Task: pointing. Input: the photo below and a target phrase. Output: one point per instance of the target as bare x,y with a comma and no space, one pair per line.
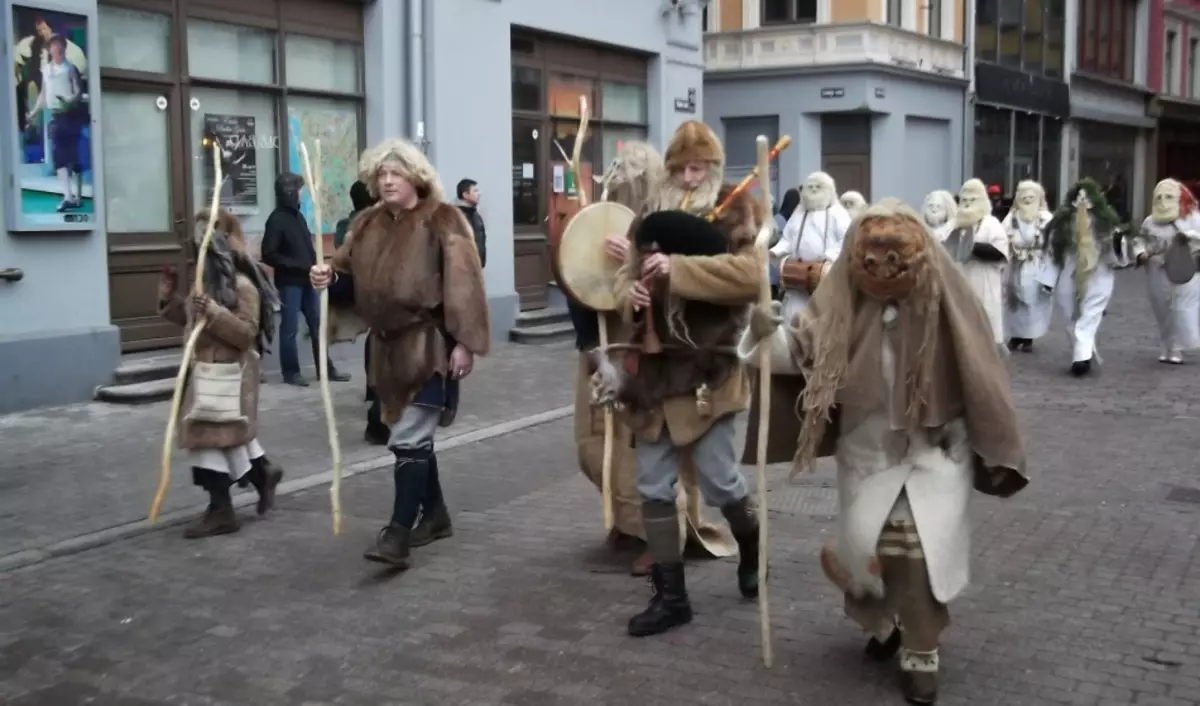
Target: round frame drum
585,271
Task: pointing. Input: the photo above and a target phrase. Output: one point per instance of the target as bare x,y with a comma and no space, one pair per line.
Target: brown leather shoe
219,518
391,547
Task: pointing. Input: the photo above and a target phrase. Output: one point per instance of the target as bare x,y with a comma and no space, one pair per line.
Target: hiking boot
391,547
219,518
431,527
668,608
264,476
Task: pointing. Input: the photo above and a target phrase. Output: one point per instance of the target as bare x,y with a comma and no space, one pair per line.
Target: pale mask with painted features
973,206
1028,202
935,212
817,194
1167,196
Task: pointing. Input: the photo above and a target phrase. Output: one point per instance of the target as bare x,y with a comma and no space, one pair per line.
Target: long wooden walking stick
762,244
606,464
335,447
189,348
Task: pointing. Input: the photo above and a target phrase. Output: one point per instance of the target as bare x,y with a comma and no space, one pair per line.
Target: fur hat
411,162
694,142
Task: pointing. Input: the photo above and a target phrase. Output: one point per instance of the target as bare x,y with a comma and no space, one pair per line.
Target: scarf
220,282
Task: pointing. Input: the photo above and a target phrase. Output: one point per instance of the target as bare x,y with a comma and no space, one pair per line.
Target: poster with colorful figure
52,164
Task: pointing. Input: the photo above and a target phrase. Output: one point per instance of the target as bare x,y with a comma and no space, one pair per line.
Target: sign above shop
686,105
838,92
1000,85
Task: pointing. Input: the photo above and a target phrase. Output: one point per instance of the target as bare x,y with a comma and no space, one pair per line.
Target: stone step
542,317
158,367
143,392
540,335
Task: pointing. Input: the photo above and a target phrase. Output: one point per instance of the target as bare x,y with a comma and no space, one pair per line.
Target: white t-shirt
56,83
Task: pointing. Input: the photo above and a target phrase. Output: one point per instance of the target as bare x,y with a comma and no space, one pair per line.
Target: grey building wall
465,104
916,123
56,339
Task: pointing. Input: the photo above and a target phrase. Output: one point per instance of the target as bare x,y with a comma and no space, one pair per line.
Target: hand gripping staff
606,464
189,348
335,448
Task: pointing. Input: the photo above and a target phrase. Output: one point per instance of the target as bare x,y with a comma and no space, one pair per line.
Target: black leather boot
219,518
743,523
264,476
668,608
390,547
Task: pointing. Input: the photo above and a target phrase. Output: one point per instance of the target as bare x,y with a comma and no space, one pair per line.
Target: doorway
531,252
846,151
145,212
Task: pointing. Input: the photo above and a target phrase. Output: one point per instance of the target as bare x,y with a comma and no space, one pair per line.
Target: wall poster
239,162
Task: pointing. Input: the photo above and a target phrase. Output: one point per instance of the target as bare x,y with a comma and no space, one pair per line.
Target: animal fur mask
973,203
1172,201
1030,201
939,208
854,203
818,193
889,251
632,173
407,159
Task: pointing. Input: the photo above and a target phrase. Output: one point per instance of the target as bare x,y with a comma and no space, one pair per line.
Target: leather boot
668,608
390,547
219,517
264,476
743,523
432,526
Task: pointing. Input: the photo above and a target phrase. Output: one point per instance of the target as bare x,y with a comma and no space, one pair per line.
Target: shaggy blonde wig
632,173
947,202
406,158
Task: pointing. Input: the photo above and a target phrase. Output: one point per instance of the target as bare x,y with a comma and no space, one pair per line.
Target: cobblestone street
1084,586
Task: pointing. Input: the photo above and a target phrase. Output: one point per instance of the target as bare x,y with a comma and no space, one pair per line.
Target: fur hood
413,165
694,142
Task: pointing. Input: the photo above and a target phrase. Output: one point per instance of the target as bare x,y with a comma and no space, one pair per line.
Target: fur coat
418,285
709,299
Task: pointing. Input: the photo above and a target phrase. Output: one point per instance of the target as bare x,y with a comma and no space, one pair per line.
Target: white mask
1167,197
935,211
818,193
973,203
1028,201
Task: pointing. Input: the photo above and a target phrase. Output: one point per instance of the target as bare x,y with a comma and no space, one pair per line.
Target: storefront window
1011,16
526,89
1051,158
614,137
526,203
137,163
993,135
245,123
134,40
335,124
623,102
322,64
564,136
230,52
1106,154
565,92
1026,149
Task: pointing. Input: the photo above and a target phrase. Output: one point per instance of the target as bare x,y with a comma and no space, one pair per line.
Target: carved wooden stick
335,448
189,348
762,244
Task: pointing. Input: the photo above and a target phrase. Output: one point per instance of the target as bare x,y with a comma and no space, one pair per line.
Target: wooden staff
606,464
335,448
762,244
189,348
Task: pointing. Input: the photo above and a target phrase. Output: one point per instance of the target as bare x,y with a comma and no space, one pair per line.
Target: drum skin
584,270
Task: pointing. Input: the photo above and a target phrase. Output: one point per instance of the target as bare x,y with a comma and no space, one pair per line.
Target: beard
816,202
972,215
670,194
935,221
1028,213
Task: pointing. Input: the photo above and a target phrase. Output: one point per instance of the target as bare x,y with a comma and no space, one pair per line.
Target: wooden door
145,206
531,247
851,172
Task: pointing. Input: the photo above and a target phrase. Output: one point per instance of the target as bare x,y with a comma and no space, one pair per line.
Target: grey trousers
415,429
714,456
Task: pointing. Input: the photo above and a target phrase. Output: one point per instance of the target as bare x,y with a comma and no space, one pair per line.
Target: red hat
994,190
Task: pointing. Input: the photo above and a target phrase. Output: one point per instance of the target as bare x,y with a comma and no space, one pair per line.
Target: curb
74,545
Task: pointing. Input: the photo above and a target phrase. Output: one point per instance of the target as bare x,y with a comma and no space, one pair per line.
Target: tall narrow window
1193,47
895,13
1170,85
933,21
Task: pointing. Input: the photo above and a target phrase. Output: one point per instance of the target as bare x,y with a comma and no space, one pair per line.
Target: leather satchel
803,275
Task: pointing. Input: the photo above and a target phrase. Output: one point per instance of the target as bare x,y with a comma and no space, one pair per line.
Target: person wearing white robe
984,263
1176,306
1080,239
813,234
854,203
1028,305
939,211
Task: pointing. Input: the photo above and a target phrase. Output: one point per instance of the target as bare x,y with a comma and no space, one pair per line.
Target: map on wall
338,132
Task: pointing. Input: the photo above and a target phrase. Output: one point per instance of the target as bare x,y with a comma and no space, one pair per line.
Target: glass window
1010,32
137,163
134,40
612,138
230,53
526,210
1170,86
322,64
1087,32
564,138
623,102
1193,47
335,124
1104,45
1026,150
1051,158
933,20
992,135
1055,32
741,138
526,88
245,122
788,11
1106,154
895,13
565,92
1031,60
986,44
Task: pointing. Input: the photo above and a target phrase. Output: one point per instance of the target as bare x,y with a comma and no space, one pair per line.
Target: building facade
872,91
1173,55
490,89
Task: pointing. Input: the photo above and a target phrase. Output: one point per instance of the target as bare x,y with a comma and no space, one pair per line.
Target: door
144,206
531,248
851,172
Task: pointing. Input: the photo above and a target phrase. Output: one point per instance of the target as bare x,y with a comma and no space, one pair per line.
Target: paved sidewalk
1084,585
69,471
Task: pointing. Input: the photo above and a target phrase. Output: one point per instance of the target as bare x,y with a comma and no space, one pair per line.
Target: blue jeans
296,300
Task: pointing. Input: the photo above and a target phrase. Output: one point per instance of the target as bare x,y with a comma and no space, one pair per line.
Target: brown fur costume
699,311
415,272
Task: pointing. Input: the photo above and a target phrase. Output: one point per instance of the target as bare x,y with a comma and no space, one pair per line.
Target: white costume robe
810,236
924,484
987,278
1029,316
1176,307
1082,325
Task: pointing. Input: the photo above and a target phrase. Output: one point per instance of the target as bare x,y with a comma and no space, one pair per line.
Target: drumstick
764,404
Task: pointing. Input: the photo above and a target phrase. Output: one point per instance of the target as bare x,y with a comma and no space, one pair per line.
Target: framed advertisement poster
50,151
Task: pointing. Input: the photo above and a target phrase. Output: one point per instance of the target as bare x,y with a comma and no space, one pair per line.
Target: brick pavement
72,470
1083,585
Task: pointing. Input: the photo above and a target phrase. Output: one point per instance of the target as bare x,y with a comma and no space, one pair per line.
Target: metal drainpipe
416,73
968,158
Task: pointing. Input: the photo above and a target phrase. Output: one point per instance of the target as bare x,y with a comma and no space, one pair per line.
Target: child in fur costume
907,390
410,271
239,304
684,398
635,170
